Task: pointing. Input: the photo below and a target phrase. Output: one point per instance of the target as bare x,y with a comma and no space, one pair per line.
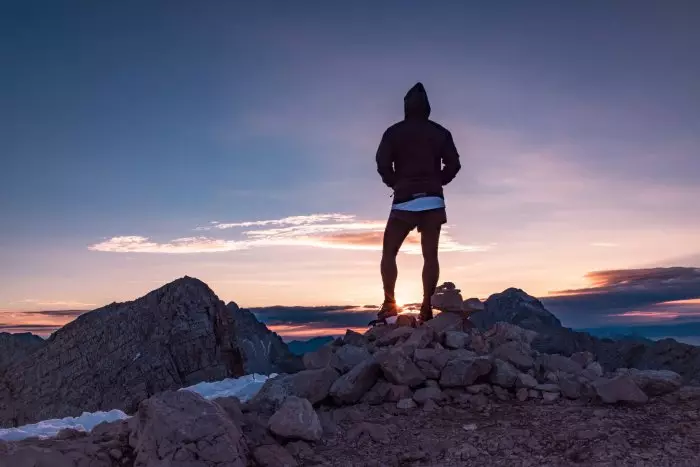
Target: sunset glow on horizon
236,143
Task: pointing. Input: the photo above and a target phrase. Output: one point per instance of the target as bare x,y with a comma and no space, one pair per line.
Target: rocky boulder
349,388
400,369
313,385
462,372
296,419
619,389
656,382
182,428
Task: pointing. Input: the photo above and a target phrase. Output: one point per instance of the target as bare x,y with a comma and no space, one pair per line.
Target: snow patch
49,428
243,388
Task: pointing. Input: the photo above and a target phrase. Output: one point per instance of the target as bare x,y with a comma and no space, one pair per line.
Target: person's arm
450,160
385,162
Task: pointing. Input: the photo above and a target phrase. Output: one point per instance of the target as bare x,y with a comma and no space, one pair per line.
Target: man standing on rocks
416,158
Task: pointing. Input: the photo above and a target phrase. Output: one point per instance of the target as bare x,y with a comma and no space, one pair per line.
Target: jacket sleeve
450,160
385,162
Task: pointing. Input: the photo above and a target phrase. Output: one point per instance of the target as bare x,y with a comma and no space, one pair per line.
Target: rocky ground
440,394
661,433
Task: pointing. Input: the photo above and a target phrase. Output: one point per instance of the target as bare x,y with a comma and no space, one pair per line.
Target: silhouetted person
416,158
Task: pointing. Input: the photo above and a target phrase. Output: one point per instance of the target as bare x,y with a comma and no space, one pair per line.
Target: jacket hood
415,103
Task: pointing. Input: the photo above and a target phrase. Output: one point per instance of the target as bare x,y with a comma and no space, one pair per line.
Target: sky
232,142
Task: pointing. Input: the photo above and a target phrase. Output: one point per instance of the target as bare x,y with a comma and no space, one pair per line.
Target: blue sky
126,129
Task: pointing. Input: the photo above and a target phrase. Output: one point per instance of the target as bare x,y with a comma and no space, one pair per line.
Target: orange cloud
338,231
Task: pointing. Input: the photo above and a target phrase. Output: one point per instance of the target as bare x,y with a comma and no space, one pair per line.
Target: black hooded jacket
416,156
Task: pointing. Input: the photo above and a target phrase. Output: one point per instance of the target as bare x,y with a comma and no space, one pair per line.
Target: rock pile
403,371
446,359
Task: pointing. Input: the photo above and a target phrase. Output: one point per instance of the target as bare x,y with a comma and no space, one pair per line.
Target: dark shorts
423,220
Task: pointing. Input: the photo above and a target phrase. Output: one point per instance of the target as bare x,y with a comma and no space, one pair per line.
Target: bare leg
394,236
430,238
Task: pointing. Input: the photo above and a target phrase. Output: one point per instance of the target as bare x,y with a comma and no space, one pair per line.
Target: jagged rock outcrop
14,347
516,307
123,353
263,351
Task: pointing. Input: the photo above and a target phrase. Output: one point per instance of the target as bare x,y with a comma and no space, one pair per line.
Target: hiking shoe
388,310
426,312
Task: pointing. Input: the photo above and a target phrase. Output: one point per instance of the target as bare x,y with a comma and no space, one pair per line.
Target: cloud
336,231
631,293
292,220
57,303
138,244
61,313
303,331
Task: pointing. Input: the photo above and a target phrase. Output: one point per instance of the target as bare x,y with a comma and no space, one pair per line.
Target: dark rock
428,370
300,449
570,387
556,363
349,388
425,354
619,389
348,356
514,353
167,424
447,321
420,338
503,374
273,455
406,404
424,394
456,339
656,382
442,357
501,394
354,338
321,358
376,432
462,372
525,381
395,336
583,358
383,391
313,385
296,419
399,369
232,407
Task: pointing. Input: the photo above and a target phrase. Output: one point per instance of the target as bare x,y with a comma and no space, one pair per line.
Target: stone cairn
441,362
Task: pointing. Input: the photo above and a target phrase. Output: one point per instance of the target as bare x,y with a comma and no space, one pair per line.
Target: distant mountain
648,331
14,347
263,350
117,356
517,307
302,347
